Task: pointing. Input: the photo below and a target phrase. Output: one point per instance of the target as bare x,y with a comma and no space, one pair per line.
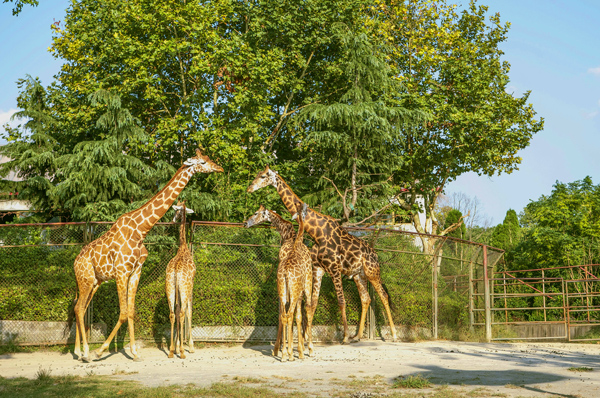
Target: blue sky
552,52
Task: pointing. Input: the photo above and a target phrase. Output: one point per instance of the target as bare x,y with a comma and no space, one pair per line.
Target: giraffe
181,271
335,252
294,277
120,253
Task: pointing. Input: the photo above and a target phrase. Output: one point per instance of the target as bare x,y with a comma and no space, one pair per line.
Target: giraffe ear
189,211
198,152
177,208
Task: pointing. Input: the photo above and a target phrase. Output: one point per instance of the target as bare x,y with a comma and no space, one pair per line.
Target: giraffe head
263,179
262,215
202,164
180,208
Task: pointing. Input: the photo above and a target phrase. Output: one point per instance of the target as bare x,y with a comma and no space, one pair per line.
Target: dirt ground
514,370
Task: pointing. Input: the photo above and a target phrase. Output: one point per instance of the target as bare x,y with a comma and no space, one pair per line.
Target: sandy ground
519,369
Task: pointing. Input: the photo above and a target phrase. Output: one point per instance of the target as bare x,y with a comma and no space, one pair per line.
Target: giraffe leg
284,334
85,291
308,330
378,286
277,346
134,280
181,326
337,283
317,276
170,288
122,292
298,310
171,346
365,300
189,318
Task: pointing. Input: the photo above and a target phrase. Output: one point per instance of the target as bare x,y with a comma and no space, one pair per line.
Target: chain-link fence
235,292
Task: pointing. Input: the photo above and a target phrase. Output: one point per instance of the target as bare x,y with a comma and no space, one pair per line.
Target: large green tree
450,63
562,228
354,133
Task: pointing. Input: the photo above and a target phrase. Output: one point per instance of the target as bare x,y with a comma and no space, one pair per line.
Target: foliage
229,76
560,229
354,130
19,5
235,282
451,64
454,217
507,235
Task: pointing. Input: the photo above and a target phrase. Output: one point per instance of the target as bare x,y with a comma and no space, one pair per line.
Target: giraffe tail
70,316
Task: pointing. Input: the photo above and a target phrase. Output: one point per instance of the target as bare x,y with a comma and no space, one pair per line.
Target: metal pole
544,291
471,301
486,292
435,261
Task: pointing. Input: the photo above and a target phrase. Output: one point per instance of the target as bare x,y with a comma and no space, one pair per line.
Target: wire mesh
235,293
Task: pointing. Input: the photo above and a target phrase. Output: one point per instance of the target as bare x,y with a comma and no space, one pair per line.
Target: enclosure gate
583,306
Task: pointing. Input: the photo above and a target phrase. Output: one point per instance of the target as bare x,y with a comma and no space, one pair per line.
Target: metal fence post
434,261
486,293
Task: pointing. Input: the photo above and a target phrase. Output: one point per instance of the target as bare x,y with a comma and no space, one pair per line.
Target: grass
581,369
416,381
49,386
105,387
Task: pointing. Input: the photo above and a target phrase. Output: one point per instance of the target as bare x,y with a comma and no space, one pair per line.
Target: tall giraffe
120,253
335,252
294,277
181,271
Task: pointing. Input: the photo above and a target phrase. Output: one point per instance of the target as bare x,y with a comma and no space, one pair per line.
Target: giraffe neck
182,241
146,216
319,226
285,228
291,201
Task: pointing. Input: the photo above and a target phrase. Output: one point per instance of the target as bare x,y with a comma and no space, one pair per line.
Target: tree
352,133
451,64
507,235
454,217
562,228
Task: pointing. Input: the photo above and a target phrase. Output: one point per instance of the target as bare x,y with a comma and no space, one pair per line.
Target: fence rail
235,295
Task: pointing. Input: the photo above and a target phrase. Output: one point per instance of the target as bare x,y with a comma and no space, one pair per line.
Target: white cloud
590,115
594,71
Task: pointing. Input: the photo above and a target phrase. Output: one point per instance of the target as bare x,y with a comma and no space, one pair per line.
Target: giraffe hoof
170,355
137,359
85,359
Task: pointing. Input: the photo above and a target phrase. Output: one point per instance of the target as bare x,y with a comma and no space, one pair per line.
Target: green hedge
235,282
